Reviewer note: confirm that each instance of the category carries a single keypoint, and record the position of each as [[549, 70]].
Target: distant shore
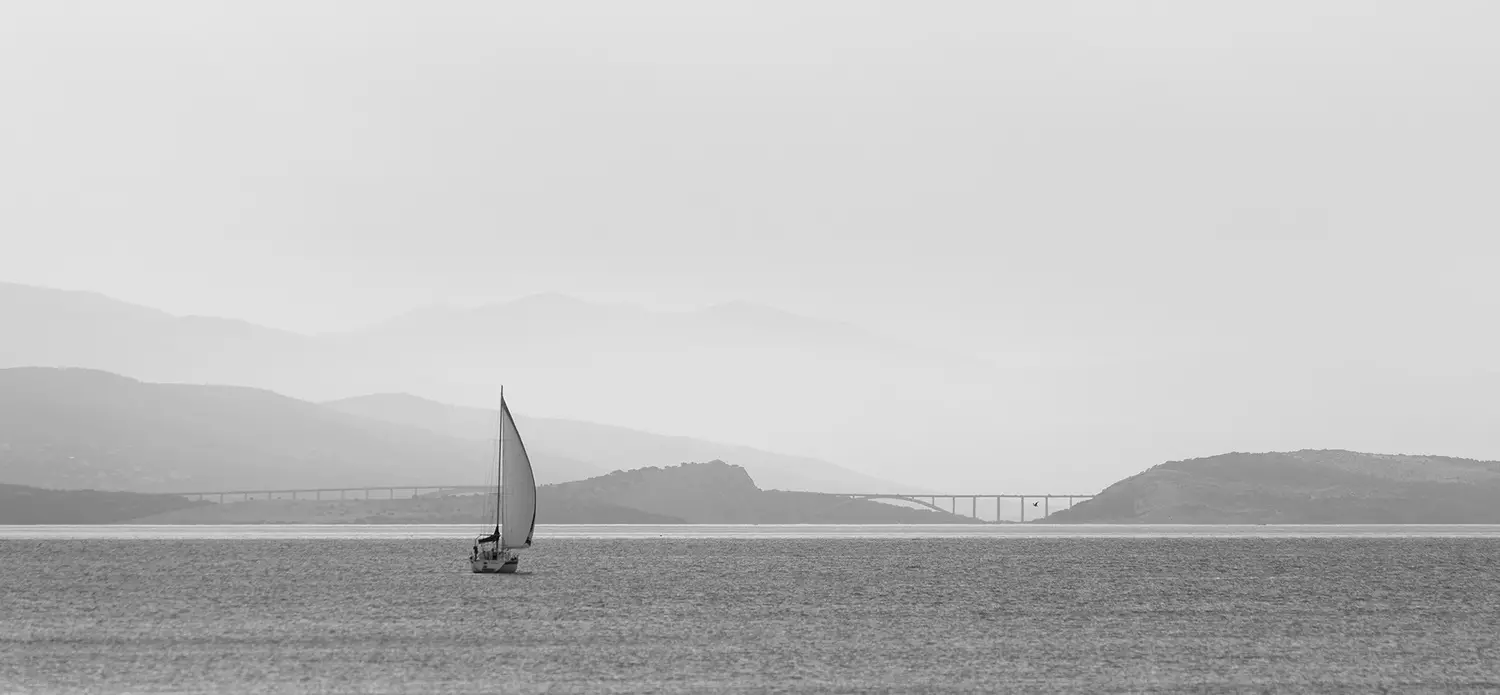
[[1310, 487], [698, 493], [460, 534]]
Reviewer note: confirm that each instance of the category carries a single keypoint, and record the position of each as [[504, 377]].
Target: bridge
[[379, 492], [1040, 504]]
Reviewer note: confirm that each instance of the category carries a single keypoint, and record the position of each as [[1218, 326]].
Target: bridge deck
[[1042, 501]]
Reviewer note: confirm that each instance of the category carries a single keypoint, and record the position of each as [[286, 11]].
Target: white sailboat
[[515, 504]]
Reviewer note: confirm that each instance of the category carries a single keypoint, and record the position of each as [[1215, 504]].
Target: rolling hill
[[719, 493], [78, 428], [1301, 487], [761, 378]]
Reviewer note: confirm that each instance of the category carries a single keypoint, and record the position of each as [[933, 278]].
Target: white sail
[[517, 486]]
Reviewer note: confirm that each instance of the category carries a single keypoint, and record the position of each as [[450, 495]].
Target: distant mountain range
[[1301, 487], [735, 372], [79, 428], [775, 381]]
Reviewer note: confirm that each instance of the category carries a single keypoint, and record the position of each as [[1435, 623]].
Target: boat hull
[[502, 565]]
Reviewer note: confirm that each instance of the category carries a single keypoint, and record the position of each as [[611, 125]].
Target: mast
[[500, 471]]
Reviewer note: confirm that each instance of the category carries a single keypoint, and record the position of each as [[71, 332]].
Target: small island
[[1300, 487]]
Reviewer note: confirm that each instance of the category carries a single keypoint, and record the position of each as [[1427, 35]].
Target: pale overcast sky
[[989, 176], [961, 167]]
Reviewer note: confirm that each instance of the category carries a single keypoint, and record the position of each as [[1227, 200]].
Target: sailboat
[[515, 504]]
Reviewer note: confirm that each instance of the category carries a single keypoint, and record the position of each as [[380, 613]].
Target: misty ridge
[[71, 428], [765, 380], [697, 373]]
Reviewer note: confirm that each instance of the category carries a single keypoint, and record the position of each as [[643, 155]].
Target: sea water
[[752, 609]]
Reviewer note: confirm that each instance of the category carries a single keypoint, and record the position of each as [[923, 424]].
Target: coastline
[[744, 531]]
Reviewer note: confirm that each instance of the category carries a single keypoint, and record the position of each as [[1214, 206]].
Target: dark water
[[782, 615]]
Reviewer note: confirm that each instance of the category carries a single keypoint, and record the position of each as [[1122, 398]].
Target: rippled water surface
[[696, 614], [762, 531]]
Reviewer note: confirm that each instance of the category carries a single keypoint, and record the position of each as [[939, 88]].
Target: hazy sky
[[981, 173]]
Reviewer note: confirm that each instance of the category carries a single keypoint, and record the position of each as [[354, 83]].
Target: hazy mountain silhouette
[[734, 372], [1301, 487], [737, 373], [616, 448], [776, 381], [55, 328], [77, 428]]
